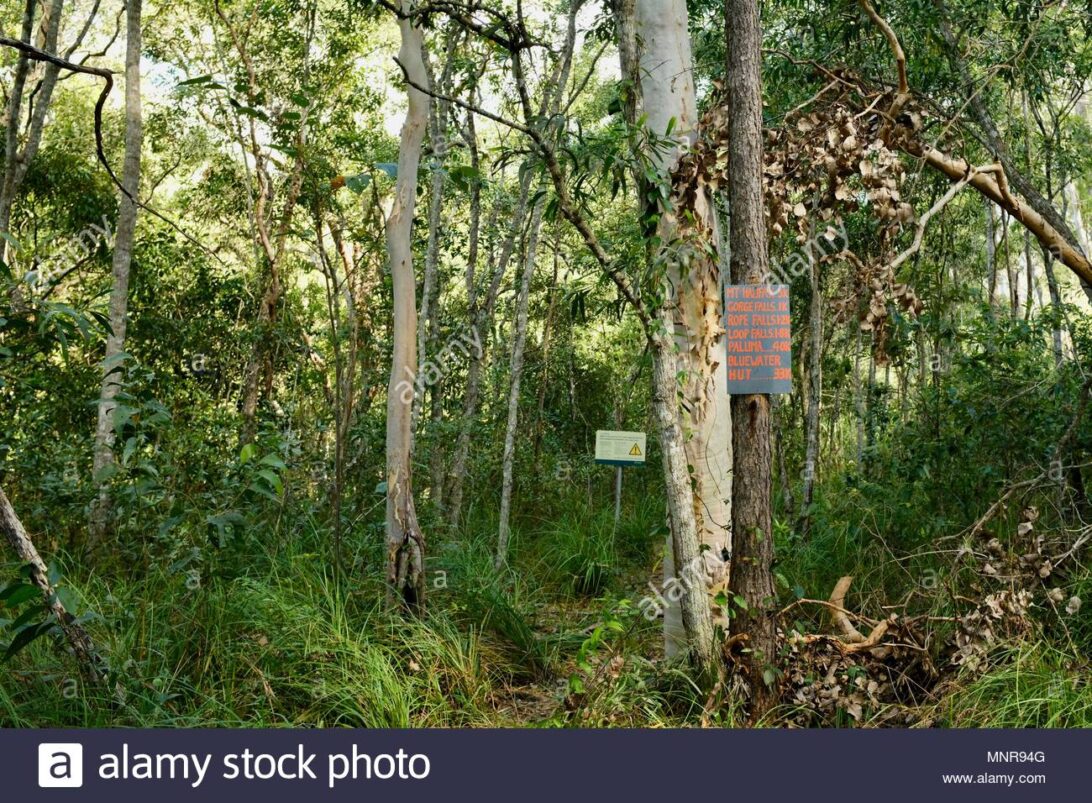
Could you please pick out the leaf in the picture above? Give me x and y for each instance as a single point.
(390, 168)
(27, 615)
(198, 81)
(26, 636)
(122, 414)
(273, 480)
(249, 111)
(274, 461)
(17, 593)
(358, 183)
(247, 452)
(67, 598)
(114, 362)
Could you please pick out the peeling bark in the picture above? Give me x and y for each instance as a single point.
(405, 541)
(669, 101)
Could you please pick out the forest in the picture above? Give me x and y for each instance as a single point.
(319, 320)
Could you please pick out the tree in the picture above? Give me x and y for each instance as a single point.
(687, 238)
(550, 107)
(405, 540)
(751, 573)
(113, 364)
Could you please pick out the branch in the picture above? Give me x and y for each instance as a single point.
(900, 58)
(462, 103)
(838, 610)
(997, 190)
(565, 202)
(108, 77)
(89, 661)
(923, 221)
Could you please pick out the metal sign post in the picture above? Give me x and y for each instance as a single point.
(618, 449)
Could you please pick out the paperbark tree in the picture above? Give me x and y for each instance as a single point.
(752, 531)
(113, 362)
(405, 541)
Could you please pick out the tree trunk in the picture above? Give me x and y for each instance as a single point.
(1056, 307)
(551, 105)
(405, 541)
(991, 254)
(669, 102)
(428, 325)
(547, 342)
(113, 362)
(787, 500)
(519, 341)
(690, 626)
(480, 316)
(429, 341)
(815, 393)
(17, 160)
(14, 115)
(752, 529)
(1067, 245)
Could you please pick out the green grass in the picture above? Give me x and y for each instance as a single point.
(271, 640)
(1030, 686)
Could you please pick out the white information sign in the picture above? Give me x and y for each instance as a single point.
(620, 448)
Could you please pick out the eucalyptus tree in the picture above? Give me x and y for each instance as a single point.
(662, 78)
(405, 539)
(553, 94)
(115, 357)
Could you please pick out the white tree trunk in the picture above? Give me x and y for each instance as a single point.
(405, 541)
(519, 341)
(113, 367)
(667, 87)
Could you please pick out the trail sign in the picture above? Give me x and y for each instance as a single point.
(620, 448)
(758, 339)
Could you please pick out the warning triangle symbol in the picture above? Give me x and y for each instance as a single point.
(635, 451)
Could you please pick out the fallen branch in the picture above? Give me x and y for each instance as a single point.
(838, 615)
(852, 640)
(997, 191)
(88, 660)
